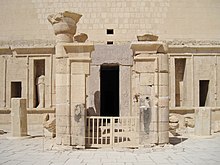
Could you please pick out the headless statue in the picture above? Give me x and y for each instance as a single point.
(145, 103)
(41, 91)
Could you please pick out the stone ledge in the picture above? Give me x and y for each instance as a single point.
(40, 111)
(184, 110)
(30, 110)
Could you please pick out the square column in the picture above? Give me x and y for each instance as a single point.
(203, 121)
(150, 91)
(72, 66)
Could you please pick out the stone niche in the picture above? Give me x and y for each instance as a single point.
(150, 91)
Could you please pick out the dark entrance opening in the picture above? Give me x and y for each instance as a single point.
(203, 92)
(16, 89)
(180, 65)
(109, 90)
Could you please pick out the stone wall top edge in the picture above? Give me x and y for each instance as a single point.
(184, 42)
(192, 108)
(5, 43)
(27, 43)
(194, 49)
(194, 46)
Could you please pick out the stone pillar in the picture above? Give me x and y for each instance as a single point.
(18, 117)
(163, 99)
(72, 67)
(125, 87)
(203, 121)
(79, 69)
(151, 69)
(62, 86)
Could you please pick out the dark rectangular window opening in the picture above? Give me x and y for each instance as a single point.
(109, 42)
(16, 89)
(180, 65)
(203, 92)
(39, 69)
(109, 77)
(110, 31)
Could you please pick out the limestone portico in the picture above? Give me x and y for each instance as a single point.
(111, 90)
(72, 71)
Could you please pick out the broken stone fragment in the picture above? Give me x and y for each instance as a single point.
(173, 126)
(147, 37)
(216, 126)
(189, 122)
(163, 48)
(173, 119)
(82, 37)
(49, 124)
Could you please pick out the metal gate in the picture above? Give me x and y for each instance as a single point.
(112, 132)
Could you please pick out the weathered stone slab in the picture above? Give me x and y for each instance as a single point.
(203, 121)
(18, 117)
(147, 37)
(82, 37)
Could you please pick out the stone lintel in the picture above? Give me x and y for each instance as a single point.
(78, 47)
(150, 47)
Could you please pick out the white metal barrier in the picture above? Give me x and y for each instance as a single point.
(112, 132)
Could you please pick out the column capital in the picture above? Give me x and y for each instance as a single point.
(64, 25)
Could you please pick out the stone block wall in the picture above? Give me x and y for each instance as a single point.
(20, 72)
(170, 19)
(196, 85)
(150, 91)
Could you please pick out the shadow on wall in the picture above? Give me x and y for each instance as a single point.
(95, 111)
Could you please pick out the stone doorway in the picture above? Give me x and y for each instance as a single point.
(109, 85)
